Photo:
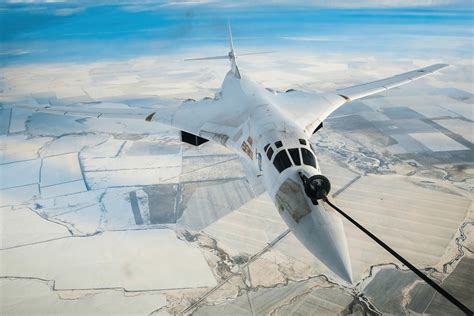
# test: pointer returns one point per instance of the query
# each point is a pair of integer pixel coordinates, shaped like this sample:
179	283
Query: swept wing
309	109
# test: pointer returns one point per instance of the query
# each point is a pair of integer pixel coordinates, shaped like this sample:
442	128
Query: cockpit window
295	155
308	157
278	144
282	161
270	153
266	147
302	141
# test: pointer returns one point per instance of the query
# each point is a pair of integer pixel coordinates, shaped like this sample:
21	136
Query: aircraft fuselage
283	155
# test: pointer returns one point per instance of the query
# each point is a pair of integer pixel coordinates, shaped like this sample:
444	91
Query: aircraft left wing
309	109
366	89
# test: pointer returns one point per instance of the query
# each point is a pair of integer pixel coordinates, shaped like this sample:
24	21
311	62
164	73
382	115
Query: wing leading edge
220	119
144	114
366	89
209	118
309	109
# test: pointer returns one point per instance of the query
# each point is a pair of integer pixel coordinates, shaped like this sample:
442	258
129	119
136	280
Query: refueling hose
423	276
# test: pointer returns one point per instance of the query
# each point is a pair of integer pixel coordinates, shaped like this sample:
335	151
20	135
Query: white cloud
38	1
250	3
15	52
381	3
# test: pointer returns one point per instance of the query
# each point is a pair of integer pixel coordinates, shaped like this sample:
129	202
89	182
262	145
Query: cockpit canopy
286	158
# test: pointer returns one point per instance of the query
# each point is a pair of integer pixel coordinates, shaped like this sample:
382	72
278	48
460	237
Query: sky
84	31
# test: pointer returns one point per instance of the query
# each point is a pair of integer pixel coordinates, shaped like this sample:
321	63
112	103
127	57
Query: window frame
311	154
285	164
298	152
270	153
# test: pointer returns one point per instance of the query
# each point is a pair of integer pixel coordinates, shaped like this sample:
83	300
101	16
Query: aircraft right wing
212	119
79	110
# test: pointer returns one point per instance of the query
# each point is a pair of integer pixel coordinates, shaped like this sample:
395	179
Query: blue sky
37	31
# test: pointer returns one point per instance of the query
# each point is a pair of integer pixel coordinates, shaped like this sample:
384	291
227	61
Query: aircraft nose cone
336	256
322	233
320	230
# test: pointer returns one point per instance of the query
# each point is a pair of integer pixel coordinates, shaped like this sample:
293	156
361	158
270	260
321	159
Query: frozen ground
121	218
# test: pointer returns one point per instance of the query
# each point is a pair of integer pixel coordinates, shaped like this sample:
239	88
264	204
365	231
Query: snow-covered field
113	217
133	260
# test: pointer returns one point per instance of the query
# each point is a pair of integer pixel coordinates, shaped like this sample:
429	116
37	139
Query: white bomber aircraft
271	131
